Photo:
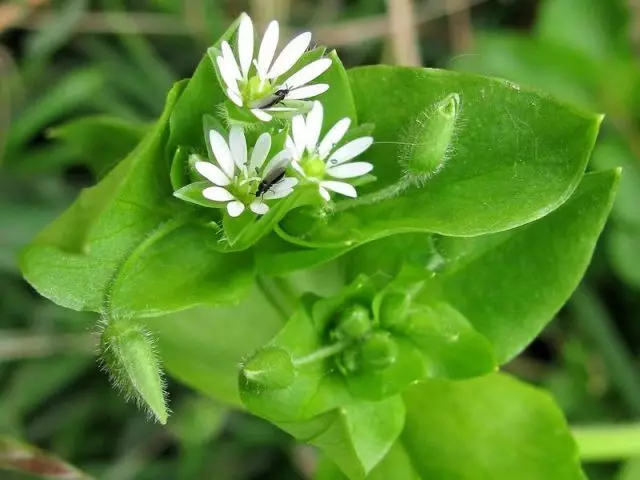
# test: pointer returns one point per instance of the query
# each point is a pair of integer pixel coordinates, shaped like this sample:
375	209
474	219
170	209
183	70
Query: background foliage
65	59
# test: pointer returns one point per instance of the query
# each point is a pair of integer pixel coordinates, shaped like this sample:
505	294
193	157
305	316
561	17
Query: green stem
596	322
608	442
321	354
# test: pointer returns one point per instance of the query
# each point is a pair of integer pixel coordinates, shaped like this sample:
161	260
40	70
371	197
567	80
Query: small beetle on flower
316	160
239	180
261	83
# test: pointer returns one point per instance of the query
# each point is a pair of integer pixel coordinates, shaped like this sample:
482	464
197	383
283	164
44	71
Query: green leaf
485	428
517	155
445	419
203	347
509	285
99	141
114	247
202	96
338	100
357	436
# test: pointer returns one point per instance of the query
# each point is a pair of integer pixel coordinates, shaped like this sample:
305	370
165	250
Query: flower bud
427	142
353	324
378	352
128	355
270	369
349	361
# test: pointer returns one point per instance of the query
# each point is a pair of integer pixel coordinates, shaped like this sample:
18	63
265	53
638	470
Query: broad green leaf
202	96
488	428
356	437
99	141
112	249
563	72
203	347
338	100
481	428
509	285
516	156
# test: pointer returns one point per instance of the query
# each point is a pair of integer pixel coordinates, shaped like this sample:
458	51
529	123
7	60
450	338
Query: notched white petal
230	59
286	183
235	208
261	115
260	152
308	73
268	47
221	152
238	146
314	125
217	194
227	75
340	187
290	55
274	195
309	91
258	207
324	193
212	173
350	170
350	150
234	97
299	132
245	44
333	137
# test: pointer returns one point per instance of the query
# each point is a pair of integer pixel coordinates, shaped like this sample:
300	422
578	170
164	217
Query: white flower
261	84
316	159
237	175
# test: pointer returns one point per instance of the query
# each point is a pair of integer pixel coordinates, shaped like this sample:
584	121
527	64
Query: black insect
277	97
273	176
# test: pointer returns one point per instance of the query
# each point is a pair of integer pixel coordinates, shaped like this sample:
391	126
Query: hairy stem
608	442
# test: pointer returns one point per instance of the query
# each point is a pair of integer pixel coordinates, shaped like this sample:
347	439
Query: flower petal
333	137
309	91
260	152
235	208
340	187
308	73
324	193
349	151
350	170
234	97
268	47
230	60
299	131
217	194
287	183
314	125
245	44
212	173
261	115
296	166
238	145
258	207
222	153
271	195
290	145
282	158
290	55
227	75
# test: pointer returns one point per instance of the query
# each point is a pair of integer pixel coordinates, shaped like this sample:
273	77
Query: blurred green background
114	60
